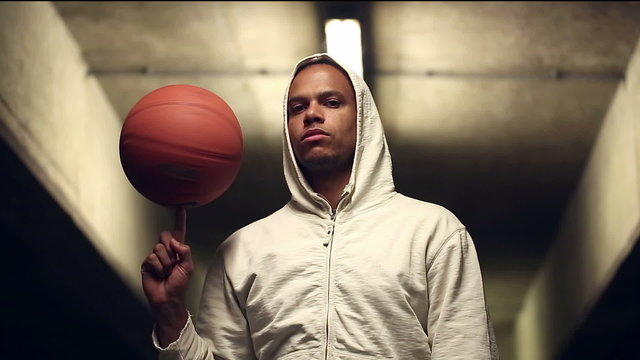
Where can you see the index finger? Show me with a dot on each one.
(180, 229)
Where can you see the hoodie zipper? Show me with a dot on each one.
(329, 244)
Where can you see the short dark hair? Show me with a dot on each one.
(320, 59)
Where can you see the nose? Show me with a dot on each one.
(313, 114)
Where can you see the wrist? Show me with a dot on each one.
(170, 314)
(169, 325)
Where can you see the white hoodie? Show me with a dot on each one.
(383, 277)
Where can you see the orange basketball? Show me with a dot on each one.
(181, 145)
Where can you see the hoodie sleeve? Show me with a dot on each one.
(458, 320)
(222, 331)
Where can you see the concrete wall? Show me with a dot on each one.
(57, 119)
(600, 226)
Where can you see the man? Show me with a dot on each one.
(348, 269)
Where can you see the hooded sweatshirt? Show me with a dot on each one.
(382, 276)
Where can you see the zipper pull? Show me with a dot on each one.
(330, 230)
(328, 237)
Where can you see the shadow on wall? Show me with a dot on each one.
(61, 299)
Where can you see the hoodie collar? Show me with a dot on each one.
(371, 181)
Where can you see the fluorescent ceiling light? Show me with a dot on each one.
(343, 42)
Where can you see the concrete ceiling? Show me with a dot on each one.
(490, 108)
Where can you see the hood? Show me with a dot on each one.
(371, 181)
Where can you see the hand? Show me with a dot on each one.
(166, 272)
(165, 279)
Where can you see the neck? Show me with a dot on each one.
(330, 184)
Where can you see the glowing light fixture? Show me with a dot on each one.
(344, 42)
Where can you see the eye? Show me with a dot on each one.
(333, 103)
(296, 108)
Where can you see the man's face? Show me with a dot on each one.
(322, 118)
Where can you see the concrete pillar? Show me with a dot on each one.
(56, 117)
(599, 230)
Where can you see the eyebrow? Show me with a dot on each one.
(323, 94)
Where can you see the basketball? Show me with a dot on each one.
(181, 146)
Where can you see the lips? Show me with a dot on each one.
(314, 134)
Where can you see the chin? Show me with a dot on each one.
(322, 163)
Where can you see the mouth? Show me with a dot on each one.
(314, 134)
